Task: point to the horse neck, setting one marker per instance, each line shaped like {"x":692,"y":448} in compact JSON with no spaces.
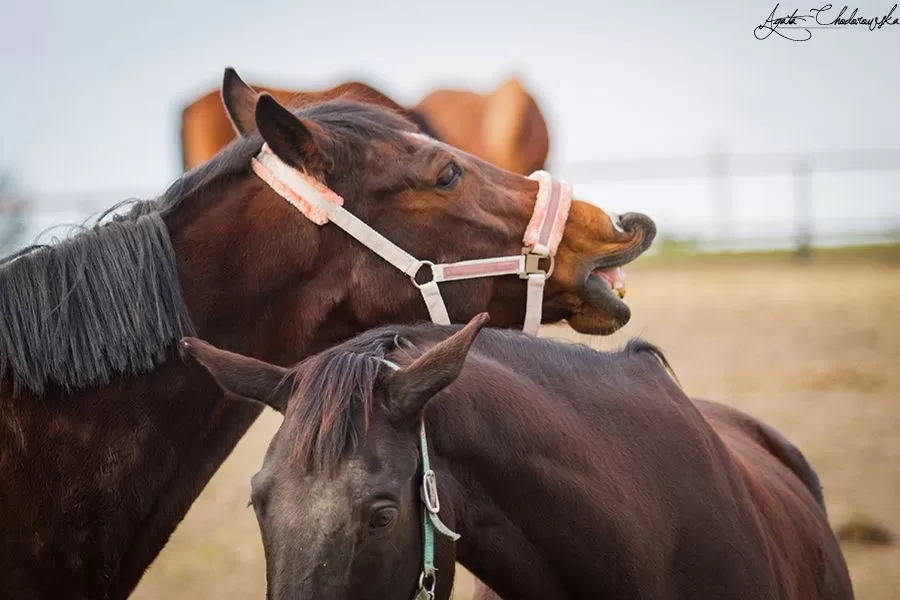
{"x":512,"y":439}
{"x":121,"y":464}
{"x":240,"y":306}
{"x":244,"y":279}
{"x":553,"y":461}
{"x":487,"y":483}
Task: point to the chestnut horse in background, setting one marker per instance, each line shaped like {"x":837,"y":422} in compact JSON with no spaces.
{"x":567,"y":472}
{"x":504,"y":127}
{"x":107,"y":437}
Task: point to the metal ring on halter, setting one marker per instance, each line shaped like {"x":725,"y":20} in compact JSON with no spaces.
{"x":421,"y":264}
{"x":430,"y":589}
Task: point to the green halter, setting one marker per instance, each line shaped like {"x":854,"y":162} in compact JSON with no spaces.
{"x":430,"y":521}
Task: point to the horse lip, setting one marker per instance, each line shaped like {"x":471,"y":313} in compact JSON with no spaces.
{"x":594,"y":292}
{"x":600,"y":297}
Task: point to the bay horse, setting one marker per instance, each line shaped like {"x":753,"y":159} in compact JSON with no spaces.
{"x":107,"y":437}
{"x":562,"y":473}
{"x":504,"y":126}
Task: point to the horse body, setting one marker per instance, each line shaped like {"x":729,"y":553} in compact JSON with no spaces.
{"x":719,"y":516}
{"x":106,"y":438}
{"x":569,"y":473}
{"x":504,"y":127}
{"x":605,"y":481}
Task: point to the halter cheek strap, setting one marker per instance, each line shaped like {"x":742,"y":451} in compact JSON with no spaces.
{"x":431,"y":522}
{"x":321,"y":205}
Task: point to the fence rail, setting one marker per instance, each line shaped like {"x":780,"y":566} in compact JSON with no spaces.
{"x":713,"y":187}
{"x":721,"y":169}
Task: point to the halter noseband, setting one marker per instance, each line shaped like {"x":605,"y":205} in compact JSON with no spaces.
{"x":320,"y":205}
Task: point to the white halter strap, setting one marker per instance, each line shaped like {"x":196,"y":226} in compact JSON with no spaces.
{"x":320,"y":205}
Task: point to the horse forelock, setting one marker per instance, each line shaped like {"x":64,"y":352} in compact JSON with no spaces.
{"x":332,"y":402}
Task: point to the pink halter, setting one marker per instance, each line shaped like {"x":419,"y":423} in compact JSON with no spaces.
{"x":320,"y":205}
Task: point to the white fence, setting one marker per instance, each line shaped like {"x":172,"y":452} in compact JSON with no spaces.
{"x":716,"y":201}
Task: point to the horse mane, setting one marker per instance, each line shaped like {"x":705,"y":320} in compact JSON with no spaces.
{"x":107,"y":300}
{"x":637,"y":345}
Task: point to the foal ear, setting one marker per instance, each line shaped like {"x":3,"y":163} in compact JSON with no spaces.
{"x":241,"y":375}
{"x":411,"y":388}
{"x":298,"y":142}
{"x":240,"y":102}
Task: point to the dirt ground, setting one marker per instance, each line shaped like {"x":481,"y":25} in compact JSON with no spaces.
{"x":812,"y":347}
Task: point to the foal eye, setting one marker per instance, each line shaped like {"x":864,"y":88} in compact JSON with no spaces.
{"x":382,"y":518}
{"x":449,"y":176}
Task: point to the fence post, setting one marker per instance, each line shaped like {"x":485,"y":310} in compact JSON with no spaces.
{"x":720,"y":192}
{"x":803,"y":207}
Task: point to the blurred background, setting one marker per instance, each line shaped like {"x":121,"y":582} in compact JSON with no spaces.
{"x":771,"y":167}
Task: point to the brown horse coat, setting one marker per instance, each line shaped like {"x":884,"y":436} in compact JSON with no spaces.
{"x":504,"y":127}
{"x":568,"y":472}
{"x":106,"y":437}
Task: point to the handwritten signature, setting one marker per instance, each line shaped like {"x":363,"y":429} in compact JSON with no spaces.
{"x":798,"y":27}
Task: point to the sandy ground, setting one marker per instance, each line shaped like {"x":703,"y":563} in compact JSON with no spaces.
{"x":812,"y":348}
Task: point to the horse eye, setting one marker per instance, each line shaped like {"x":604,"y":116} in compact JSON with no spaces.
{"x":383,"y":518}
{"x":449,"y":176}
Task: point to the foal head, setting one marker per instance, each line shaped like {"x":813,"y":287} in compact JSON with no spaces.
{"x":337,"y":498}
{"x":437,"y":203}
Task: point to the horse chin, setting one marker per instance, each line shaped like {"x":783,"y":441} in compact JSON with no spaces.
{"x":603,"y":312}
{"x":594,"y":323}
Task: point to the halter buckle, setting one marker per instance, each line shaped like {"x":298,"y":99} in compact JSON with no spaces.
{"x":430,"y":493}
{"x":533,"y":263}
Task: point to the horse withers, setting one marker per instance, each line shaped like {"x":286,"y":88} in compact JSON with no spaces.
{"x":106,"y":438}
{"x":559,"y":471}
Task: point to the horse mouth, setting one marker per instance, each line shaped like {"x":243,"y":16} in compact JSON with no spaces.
{"x":603,"y":288}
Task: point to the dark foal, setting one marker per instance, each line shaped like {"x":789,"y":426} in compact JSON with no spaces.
{"x":569,"y":473}
{"x":106,"y":438}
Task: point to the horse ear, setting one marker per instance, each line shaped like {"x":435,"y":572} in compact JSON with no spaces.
{"x":298,"y":142}
{"x":241,"y":375}
{"x":240,"y":102}
{"x":411,"y":388}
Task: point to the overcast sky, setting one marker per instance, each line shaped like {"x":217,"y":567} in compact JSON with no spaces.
{"x":91,"y":90}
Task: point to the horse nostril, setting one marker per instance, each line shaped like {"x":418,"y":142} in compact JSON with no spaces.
{"x":634,"y":221}
{"x":616,"y":221}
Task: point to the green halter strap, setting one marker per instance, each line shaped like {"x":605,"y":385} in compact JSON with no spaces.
{"x":430,"y":521}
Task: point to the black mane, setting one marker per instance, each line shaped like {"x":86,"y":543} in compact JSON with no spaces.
{"x":105,"y":301}
{"x":108,"y":300}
